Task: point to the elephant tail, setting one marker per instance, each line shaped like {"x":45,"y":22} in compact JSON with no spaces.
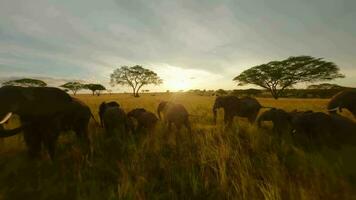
{"x":92,"y":116}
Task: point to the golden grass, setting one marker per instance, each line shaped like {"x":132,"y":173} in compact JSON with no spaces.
{"x":239,"y":163}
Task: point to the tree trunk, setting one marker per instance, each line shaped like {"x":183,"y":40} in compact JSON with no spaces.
{"x":274,"y":93}
{"x":138,"y":89}
{"x":134,"y":91}
{"x":136,"y":94}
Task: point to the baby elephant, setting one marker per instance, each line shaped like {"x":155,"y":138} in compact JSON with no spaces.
{"x":324,"y":129}
{"x":144,"y":118}
{"x":174,"y":114}
{"x":281,"y":120}
{"x":103,"y":106}
{"x":115,"y":121}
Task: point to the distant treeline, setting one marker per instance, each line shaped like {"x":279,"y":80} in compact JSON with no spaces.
{"x":288,"y":93}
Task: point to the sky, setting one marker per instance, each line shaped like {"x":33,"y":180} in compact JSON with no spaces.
{"x":201,"y":44}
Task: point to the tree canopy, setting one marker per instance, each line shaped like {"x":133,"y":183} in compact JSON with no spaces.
{"x":26,"y":82}
{"x":73,"y":86}
{"x":135,"y":77}
{"x":276,"y":76}
{"x":95,"y":88}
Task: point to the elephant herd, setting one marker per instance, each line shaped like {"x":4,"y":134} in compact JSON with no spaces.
{"x":115,"y":121}
{"x":45,"y":112}
{"x":320,"y":128}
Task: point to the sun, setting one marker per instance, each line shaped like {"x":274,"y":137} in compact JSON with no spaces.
{"x":178,"y":80}
{"x":178,"y":84}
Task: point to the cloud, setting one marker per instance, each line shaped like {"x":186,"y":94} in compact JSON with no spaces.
{"x":87,"y":39}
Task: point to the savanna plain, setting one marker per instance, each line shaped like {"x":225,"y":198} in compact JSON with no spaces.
{"x":242,"y":162}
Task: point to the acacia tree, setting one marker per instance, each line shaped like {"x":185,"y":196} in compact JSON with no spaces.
{"x":276,"y":76}
{"x":26,"y":82}
{"x":73,"y":86}
{"x":135,"y":77}
{"x":95,"y":88}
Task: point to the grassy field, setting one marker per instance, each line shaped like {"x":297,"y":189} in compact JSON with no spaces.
{"x":242,"y":163}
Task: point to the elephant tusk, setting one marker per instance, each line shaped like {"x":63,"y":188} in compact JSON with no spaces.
{"x":6,"y":118}
{"x":333,"y":109}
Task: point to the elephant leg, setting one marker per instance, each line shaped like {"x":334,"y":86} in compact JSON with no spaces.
{"x":187,"y":125}
{"x":81,"y":129}
{"x":83,"y":135}
{"x":169,"y":125}
{"x":33,"y":141}
{"x":50,"y":140}
{"x":228,"y":120}
{"x":50,"y":134}
{"x":108,"y":129}
{"x":178,"y":125}
{"x":140,"y":127}
{"x":226,"y":117}
{"x":252,"y":117}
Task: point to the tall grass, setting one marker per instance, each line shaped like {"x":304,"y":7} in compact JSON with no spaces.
{"x":242,"y":162}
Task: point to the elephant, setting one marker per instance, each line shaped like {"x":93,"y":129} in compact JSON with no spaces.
{"x":103,"y":106}
{"x":144,"y":118}
{"x":41,"y":111}
{"x":162,"y":107}
{"x":174,"y":114}
{"x":280,"y":118}
{"x":323,"y":129}
{"x":115,"y":121}
{"x":233,"y":106}
{"x":77,"y":119}
{"x":345,"y":99}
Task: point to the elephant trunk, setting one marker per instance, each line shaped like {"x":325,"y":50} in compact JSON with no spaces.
{"x":159,"y":113}
{"x":160,"y":108}
{"x":259,"y":120}
{"x":7,"y":133}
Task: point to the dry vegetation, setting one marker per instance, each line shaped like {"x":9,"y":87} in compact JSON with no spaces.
{"x":241,"y":163}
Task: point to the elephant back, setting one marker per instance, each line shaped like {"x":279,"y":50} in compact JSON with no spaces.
{"x":247,"y":105}
{"x":177,"y":112}
{"x":35,"y":101}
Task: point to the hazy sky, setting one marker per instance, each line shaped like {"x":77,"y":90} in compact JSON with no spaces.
{"x":190,"y":44}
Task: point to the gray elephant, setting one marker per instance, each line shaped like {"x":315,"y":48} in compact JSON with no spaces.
{"x":115,"y":121}
{"x":345,"y":99}
{"x":281,"y":120}
{"x":174,"y":114}
{"x":162,"y":108}
{"x":320,"y":129}
{"x":77,"y":119}
{"x":41,"y":111}
{"x":233,"y":106}
{"x":144,"y":118}
{"x":103,"y":106}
